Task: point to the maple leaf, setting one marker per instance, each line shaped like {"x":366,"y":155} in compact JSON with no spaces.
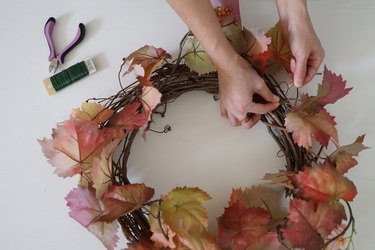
{"x":72,"y":147}
{"x":150,"y":99}
{"x":92,"y":112}
{"x":196,"y":58}
{"x":305,"y":126}
{"x":239,"y":227}
{"x":307,"y":225}
{"x":127,"y":119}
{"x":120,"y":200}
{"x":324,"y":183}
{"x":343,"y":156}
{"x":331,"y":89}
{"x":260,"y":196}
{"x":182,"y":209}
{"x":101,"y":171}
{"x":279,"y":50}
{"x":162,"y":234}
{"x":149,"y":57}
{"x":282,"y":178}
{"x":84,"y":207}
{"x":106,"y":233}
{"x":234,"y":11}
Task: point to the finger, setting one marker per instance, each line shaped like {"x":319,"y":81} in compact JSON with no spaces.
{"x":263,"y":108}
{"x":233,"y":120}
{"x":299,"y":71}
{"x":310,"y":73}
{"x":267,"y":95}
{"x":253,"y":119}
{"x":223,"y":112}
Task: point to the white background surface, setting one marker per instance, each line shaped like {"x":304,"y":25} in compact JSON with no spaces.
{"x":202,"y":149}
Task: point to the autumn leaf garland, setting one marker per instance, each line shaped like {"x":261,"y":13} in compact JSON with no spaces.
{"x":313,"y":217}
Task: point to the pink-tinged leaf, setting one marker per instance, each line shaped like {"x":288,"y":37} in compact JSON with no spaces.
{"x":306,"y":126}
{"x":331,"y":89}
{"x":106,"y":233}
{"x":268,"y":241}
{"x":120,"y":200}
{"x":343,"y":156}
{"x":72,"y":147}
{"x":149,"y":57}
{"x":239,"y":227}
{"x":323,"y":183}
{"x":307,"y":225}
{"x":198,"y":240}
{"x":128,"y":119}
{"x":261,"y":196}
{"x":230,"y":15}
{"x":282,"y":178}
{"x":139,"y":70}
{"x":339,"y":243}
{"x":158,"y":233}
{"x":101,"y":171}
{"x":257,"y":42}
{"x":92,"y":112}
{"x":144,"y":243}
{"x":150,"y":99}
{"x":84,"y":207}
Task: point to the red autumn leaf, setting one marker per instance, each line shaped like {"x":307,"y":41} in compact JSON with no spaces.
{"x":92,"y":112}
{"x":120,"y":200}
{"x":84,"y":207}
{"x":307,"y":225}
{"x":324,"y":183}
{"x":279,"y":50}
{"x":259,"y":61}
{"x":305,"y":126}
{"x":149,"y":57}
{"x":239,"y":227}
{"x":331,"y":89}
{"x":343,"y":156}
{"x":268,"y":241}
{"x":144,"y":243}
{"x":73,"y":145}
{"x":127,"y":119}
{"x":106,"y":233}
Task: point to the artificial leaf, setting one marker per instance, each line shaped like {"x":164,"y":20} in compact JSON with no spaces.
{"x":269,"y":241}
{"x":150,"y":99}
{"x":149,"y":57}
{"x":339,"y":210}
{"x":127,"y":119}
{"x":331,"y":89}
{"x":282,"y":178}
{"x":101,"y":171}
{"x":228,"y":11}
{"x":324,"y":183}
{"x":307,"y":225}
{"x":84,"y":207}
{"x":106,"y":233}
{"x":198,"y":240}
{"x":73,"y":145}
{"x":144,"y":243}
{"x":92,"y":112}
{"x":279,"y":50}
{"x":256,"y":42}
{"x":239,"y":227}
{"x":260,"y":196}
{"x":305,"y":126}
{"x":343,"y":156}
{"x":196,"y":58}
{"x":236,"y":37}
{"x":120,"y":200}
{"x":162,"y":234}
{"x":182,"y":209}
{"x":339,"y":243}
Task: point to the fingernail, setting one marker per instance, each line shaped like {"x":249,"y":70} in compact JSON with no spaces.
{"x":276,"y":98}
{"x":297,"y":83}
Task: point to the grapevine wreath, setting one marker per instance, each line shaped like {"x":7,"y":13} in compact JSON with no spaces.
{"x":319,"y":214}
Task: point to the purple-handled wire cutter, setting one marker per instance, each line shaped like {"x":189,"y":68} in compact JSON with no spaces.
{"x":54,"y":58}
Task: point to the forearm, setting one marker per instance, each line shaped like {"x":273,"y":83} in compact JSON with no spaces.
{"x":293,"y":12}
{"x":202,"y":21}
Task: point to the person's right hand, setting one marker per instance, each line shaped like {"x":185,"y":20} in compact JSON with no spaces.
{"x":238,"y":83}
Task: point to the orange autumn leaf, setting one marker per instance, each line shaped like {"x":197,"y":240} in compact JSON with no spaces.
{"x":73,"y":146}
{"x":144,"y":243}
{"x":198,"y":240}
{"x":279,"y":50}
{"x":306,"y":126}
{"x":92,"y":112}
{"x":307,"y":225}
{"x":256,"y":49}
{"x":323,"y":183}
{"x":120,"y":200}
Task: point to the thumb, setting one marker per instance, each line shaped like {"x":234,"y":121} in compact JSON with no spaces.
{"x":298,"y":67}
{"x":267,"y":95}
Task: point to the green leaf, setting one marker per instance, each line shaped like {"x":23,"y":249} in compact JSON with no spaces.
{"x":196,"y":58}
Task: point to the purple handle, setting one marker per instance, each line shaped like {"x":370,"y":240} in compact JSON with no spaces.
{"x":79,"y":37}
{"x":48,"y":28}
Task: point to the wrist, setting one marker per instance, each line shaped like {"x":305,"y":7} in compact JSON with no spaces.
{"x":292,"y":11}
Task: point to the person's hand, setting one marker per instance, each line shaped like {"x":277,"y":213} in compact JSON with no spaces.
{"x":238,"y":83}
{"x":306,"y":48}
